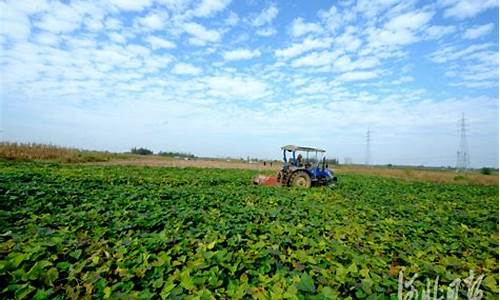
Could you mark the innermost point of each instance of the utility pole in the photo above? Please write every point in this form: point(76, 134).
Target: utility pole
point(368, 154)
point(463, 159)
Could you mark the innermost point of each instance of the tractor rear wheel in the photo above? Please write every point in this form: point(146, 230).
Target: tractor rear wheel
point(300, 179)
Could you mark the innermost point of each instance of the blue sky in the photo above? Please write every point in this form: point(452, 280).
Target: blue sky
point(238, 78)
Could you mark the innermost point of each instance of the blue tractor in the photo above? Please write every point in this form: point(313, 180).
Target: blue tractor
point(305, 167)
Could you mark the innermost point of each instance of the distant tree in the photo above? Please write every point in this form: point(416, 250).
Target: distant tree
point(176, 154)
point(141, 151)
point(485, 171)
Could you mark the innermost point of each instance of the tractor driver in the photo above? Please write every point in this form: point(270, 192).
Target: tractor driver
point(299, 160)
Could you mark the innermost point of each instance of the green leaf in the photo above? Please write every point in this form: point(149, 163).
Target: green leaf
point(353, 269)
point(23, 291)
point(167, 288)
point(107, 292)
point(17, 259)
point(306, 283)
point(490, 283)
point(76, 254)
point(64, 265)
point(37, 270)
point(186, 281)
point(328, 293)
point(51, 276)
point(41, 295)
point(366, 285)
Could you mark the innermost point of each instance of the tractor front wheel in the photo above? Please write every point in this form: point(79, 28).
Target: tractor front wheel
point(300, 179)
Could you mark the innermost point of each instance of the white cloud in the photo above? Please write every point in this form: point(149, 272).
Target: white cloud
point(314, 87)
point(335, 61)
point(373, 8)
point(331, 18)
point(117, 38)
point(437, 31)
point(316, 59)
point(201, 35)
point(299, 48)
point(238, 88)
point(138, 50)
point(113, 23)
point(232, 19)
point(475, 66)
point(300, 28)
point(47, 38)
point(269, 31)
point(403, 79)
point(478, 31)
point(241, 54)
point(344, 63)
point(159, 43)
point(175, 5)
point(358, 75)
point(381, 38)
point(209, 7)
point(152, 21)
point(131, 5)
point(462, 9)
point(348, 42)
point(93, 24)
point(13, 23)
point(400, 30)
point(185, 69)
point(60, 18)
point(266, 16)
point(451, 53)
point(410, 20)
point(23, 7)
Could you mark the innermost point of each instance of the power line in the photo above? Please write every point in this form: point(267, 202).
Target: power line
point(463, 159)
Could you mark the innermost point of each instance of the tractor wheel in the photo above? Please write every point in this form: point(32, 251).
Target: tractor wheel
point(300, 179)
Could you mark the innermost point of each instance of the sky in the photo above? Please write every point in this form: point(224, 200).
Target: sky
point(242, 78)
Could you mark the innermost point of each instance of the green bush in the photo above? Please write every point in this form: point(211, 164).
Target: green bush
point(141, 151)
point(176, 154)
point(485, 171)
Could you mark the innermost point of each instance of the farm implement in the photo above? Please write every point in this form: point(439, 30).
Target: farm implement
point(300, 171)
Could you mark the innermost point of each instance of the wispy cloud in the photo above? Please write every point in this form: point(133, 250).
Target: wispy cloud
point(241, 54)
point(185, 69)
point(306, 45)
point(462, 9)
point(358, 75)
point(152, 21)
point(300, 28)
point(160, 43)
point(478, 31)
point(200, 36)
point(209, 7)
point(266, 16)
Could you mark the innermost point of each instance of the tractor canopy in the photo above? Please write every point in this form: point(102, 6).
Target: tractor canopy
point(293, 148)
point(310, 156)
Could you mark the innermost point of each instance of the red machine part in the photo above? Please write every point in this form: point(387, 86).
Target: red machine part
point(265, 180)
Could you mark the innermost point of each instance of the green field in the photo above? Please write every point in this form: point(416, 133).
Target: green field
point(135, 232)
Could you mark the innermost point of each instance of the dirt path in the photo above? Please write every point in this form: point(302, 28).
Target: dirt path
point(155, 161)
